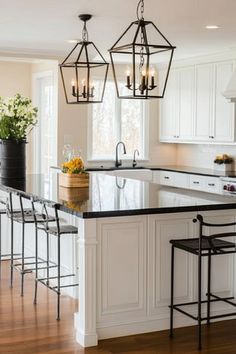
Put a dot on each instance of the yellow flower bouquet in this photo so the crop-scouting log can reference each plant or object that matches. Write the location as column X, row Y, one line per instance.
column 74, row 166
column 74, row 174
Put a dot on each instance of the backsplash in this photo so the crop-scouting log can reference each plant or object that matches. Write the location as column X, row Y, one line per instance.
column 203, row 155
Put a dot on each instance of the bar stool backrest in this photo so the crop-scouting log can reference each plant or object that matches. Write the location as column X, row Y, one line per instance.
column 45, row 214
column 210, row 238
column 11, row 209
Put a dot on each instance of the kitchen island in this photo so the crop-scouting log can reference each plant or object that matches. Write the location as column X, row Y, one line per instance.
column 123, row 250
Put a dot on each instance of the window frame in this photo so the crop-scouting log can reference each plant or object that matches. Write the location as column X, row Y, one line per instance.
column 145, row 128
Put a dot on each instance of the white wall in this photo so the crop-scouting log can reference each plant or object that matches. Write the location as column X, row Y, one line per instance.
column 15, row 77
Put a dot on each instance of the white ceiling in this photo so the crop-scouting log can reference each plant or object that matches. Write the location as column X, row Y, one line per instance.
column 44, row 26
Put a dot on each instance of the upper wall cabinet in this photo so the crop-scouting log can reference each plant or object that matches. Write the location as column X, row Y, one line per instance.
column 223, row 128
column 204, row 102
column 176, row 110
column 194, row 109
column 170, row 110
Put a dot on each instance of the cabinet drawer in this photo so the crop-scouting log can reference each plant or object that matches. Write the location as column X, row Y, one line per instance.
column 212, row 185
column 167, row 178
column 197, row 182
column 181, row 180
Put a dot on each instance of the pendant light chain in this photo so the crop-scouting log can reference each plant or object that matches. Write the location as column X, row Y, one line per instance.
column 85, row 33
column 140, row 10
column 140, row 16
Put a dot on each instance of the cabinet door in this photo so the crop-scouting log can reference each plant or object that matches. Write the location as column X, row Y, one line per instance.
column 203, row 111
column 223, row 123
column 169, row 108
column 185, row 128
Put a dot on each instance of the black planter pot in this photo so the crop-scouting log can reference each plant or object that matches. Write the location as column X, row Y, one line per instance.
column 13, row 159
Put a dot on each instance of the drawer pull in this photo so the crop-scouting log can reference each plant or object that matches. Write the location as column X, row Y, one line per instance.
column 167, row 177
column 195, row 182
column 211, row 184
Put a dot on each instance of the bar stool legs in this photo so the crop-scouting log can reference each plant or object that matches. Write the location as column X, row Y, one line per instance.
column 209, row 288
column 12, row 253
column 23, row 259
column 47, row 235
column 172, row 291
column 0, row 246
column 199, row 301
column 58, row 276
column 36, row 267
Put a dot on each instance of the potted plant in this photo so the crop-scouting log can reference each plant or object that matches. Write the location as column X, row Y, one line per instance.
column 223, row 163
column 17, row 119
column 73, row 174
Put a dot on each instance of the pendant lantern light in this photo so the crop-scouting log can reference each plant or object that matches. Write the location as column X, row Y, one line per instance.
column 142, row 47
column 80, row 70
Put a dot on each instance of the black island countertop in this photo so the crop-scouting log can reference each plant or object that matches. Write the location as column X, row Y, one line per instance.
column 109, row 196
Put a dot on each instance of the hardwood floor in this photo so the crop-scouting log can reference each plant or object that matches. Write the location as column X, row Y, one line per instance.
column 29, row 329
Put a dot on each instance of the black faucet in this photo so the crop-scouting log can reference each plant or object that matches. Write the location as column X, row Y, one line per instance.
column 118, row 162
column 134, row 159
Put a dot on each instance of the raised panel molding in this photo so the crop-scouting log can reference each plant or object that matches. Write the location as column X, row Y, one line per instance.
column 161, row 232
column 122, row 267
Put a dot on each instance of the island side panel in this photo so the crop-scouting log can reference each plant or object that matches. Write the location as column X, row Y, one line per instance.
column 133, row 272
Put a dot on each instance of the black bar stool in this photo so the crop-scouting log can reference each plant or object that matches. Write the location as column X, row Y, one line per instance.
column 23, row 216
column 203, row 246
column 57, row 231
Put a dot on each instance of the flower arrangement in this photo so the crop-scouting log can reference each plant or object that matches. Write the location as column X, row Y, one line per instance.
column 73, row 174
column 223, row 159
column 17, row 117
column 74, row 166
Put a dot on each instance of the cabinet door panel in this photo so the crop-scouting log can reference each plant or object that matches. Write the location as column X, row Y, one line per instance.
column 204, row 88
column 186, row 77
column 169, row 108
column 224, row 111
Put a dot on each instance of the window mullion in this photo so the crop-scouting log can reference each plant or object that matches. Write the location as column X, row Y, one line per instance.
column 118, row 120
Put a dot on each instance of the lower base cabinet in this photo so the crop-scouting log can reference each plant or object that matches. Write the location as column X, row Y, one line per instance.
column 134, row 263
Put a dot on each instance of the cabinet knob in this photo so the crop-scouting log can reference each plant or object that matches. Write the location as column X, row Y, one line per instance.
column 166, row 177
column 211, row 184
column 195, row 182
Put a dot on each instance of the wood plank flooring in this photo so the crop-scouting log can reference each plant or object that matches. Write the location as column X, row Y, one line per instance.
column 29, row 329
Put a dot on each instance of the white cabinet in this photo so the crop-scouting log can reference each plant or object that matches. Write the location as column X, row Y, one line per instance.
column 209, row 184
column 203, row 99
column 194, row 109
column 176, row 110
column 186, row 96
column 169, row 108
column 224, row 112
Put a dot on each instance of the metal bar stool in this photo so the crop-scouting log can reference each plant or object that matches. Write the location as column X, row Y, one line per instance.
column 203, row 246
column 53, row 282
column 3, row 211
column 23, row 216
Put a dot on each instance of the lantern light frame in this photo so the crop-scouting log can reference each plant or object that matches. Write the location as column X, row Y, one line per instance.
column 146, row 48
column 83, row 47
